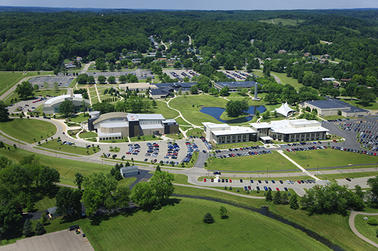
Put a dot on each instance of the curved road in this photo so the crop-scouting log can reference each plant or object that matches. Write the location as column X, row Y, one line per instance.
column 354, row 229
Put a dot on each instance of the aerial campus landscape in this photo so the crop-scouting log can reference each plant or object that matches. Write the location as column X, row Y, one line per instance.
column 144, row 129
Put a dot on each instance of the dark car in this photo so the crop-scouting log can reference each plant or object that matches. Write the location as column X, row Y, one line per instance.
column 251, row 181
column 273, row 181
column 258, row 188
column 348, row 179
column 281, row 181
column 259, row 181
column 241, row 180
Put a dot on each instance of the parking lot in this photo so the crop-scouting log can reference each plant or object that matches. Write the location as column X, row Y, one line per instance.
column 236, row 75
column 49, row 81
column 26, row 105
column 171, row 153
column 181, row 74
column 140, row 74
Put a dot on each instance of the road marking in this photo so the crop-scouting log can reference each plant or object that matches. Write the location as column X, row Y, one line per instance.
column 297, row 165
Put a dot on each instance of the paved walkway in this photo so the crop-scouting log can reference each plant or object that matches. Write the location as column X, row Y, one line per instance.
column 98, row 95
column 297, row 165
column 222, row 191
column 62, row 240
column 179, row 112
column 354, row 229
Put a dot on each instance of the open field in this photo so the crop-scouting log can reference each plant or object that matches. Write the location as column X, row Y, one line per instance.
column 164, row 110
column 288, row 80
column 190, row 107
column 84, row 135
column 365, row 229
column 283, row 21
column 58, row 146
column 82, row 117
column 333, row 227
column 265, row 162
column 330, row 158
column 28, row 130
column 180, row 225
column 66, row 168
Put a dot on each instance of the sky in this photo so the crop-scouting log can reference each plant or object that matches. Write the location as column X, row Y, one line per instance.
column 198, row 4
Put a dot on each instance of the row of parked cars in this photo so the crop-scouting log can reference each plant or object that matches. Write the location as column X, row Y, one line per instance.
column 354, row 150
column 173, row 150
column 191, row 147
column 134, row 149
column 289, row 182
column 365, row 130
column 249, row 153
column 307, row 148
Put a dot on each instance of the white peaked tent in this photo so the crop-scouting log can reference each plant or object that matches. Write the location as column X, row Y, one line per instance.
column 284, row 110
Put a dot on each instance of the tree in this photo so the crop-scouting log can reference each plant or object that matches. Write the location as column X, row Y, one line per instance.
column 277, row 198
column 359, row 192
column 143, row 195
column 223, row 212
column 67, row 107
column 4, row 114
column 68, row 203
column 82, row 79
column 91, row 80
column 208, row 218
column 79, row 178
column 373, row 194
column 224, row 91
column 39, row 229
column 111, row 80
column 28, row 228
column 284, row 199
column 25, row 90
column 268, row 196
column 194, row 89
column 294, row 202
column 236, row 108
column 101, row 79
column 122, row 79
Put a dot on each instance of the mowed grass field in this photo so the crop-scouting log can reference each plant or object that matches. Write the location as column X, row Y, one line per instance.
column 190, row 107
column 180, row 226
column 330, row 158
column 332, row 227
column 58, row 146
column 162, row 108
column 265, row 162
column 288, row 80
column 365, row 229
column 28, row 130
column 67, row 168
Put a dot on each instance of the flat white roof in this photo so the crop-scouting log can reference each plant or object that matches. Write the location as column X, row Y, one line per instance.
column 62, row 98
column 136, row 117
column 224, row 129
column 295, row 126
column 261, row 125
column 116, row 124
column 266, row 138
column 151, row 126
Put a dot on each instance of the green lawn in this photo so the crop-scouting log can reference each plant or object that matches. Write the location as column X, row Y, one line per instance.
column 365, row 229
column 190, row 107
column 174, row 136
column 330, row 158
column 265, row 162
column 288, row 80
column 163, row 109
column 8, row 79
column 346, row 175
column 80, row 118
column 333, row 227
column 127, row 181
column 180, row 178
column 371, row 106
column 182, row 122
column 52, row 93
column 335, row 117
column 45, row 203
column 66, row 168
column 28, row 130
column 58, row 146
column 144, row 138
column 197, row 132
column 84, row 135
column 181, row 225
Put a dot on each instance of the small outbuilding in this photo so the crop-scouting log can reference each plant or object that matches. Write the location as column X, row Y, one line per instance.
column 285, row 110
column 129, row 171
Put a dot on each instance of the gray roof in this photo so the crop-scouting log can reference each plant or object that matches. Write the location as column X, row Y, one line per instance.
column 110, row 115
column 238, row 84
column 334, row 104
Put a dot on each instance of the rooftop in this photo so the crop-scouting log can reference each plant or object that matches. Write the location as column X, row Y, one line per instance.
column 239, row 84
column 224, row 129
column 334, row 104
column 294, row 126
column 62, row 98
column 137, row 117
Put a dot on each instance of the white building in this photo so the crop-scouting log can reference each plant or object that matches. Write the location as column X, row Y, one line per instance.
column 285, row 110
column 291, row 130
column 223, row 133
column 52, row 105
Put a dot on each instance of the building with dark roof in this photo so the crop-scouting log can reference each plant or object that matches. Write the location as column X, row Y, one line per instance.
column 235, row 86
column 331, row 107
column 164, row 89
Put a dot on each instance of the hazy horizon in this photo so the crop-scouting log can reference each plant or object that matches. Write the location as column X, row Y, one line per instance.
column 195, row 4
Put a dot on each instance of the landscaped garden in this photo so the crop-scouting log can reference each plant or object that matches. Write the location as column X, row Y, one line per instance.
column 369, row 227
column 28, row 130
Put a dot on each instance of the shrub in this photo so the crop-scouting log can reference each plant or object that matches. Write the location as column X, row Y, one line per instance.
column 372, row 221
column 223, row 213
column 208, row 218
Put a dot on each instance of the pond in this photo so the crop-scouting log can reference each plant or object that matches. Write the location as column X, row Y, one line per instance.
column 216, row 113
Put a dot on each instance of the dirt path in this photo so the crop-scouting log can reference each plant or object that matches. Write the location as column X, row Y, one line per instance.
column 352, row 217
